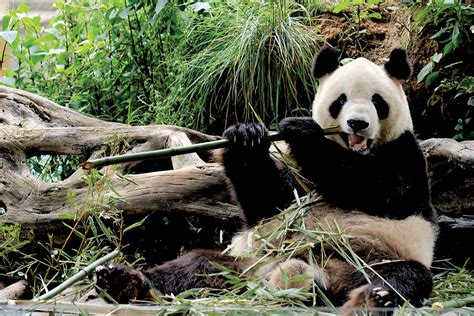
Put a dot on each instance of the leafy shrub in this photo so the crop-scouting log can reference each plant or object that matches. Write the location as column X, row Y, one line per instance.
column 105, row 58
column 448, row 76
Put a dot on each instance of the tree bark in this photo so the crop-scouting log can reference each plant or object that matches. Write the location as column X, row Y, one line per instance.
column 14, row 291
column 189, row 185
column 32, row 125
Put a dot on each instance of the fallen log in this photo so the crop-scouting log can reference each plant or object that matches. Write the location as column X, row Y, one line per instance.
column 14, row 291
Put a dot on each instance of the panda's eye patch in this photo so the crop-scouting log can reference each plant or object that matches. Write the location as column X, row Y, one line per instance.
column 380, row 105
column 336, row 107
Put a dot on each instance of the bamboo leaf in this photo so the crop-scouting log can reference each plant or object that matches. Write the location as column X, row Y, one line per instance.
column 9, row 36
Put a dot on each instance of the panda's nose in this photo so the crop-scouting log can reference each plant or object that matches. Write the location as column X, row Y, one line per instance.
column 357, row 125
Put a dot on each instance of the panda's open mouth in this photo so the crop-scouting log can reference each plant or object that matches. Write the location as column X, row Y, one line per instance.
column 356, row 142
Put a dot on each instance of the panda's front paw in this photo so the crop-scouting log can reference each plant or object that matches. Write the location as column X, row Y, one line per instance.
column 121, row 283
column 247, row 135
column 299, row 128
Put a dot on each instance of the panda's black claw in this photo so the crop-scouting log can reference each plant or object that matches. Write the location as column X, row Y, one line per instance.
column 249, row 135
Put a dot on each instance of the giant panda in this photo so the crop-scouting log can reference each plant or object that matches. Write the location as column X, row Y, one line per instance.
column 372, row 184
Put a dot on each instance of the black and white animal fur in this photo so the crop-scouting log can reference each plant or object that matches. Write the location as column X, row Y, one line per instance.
column 373, row 180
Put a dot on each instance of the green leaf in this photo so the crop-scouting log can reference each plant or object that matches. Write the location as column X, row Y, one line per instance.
column 160, row 5
column 23, row 8
column 467, row 84
column 54, row 31
column 67, row 216
column 6, row 22
column 431, row 77
column 9, row 36
column 300, row 277
column 340, row 7
column 125, row 12
column 448, row 48
column 439, row 33
column 437, row 57
column 134, row 225
column 375, row 15
column 455, row 36
column 37, row 57
column 7, row 81
column 424, row 72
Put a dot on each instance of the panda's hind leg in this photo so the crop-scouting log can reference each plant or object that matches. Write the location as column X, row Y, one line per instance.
column 391, row 284
column 191, row 270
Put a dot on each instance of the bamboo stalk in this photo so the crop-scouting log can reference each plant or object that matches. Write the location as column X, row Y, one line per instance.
column 456, row 303
column 78, row 276
column 170, row 152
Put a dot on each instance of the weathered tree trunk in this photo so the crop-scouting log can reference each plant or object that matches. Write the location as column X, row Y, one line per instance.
column 32, row 125
column 451, row 170
column 188, row 184
column 14, row 291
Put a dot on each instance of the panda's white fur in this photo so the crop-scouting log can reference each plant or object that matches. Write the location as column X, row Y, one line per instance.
column 359, row 80
column 413, row 238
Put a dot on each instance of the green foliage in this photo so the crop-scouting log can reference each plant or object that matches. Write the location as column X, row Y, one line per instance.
column 452, row 283
column 53, row 168
column 246, row 57
column 448, row 76
column 104, row 58
column 92, row 229
column 359, row 9
column 143, row 62
column 356, row 12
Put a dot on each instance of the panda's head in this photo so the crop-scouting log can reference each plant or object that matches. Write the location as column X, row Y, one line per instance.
column 366, row 100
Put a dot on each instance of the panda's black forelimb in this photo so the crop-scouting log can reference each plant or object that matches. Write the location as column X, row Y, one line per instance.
column 262, row 185
column 390, row 182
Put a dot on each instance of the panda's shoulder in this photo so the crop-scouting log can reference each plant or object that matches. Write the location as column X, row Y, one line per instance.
column 406, row 145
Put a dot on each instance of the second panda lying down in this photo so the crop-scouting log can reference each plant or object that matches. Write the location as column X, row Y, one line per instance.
column 372, row 177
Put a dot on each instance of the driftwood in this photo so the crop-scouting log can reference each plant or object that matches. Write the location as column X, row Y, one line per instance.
column 451, row 170
column 32, row 125
column 188, row 184
column 14, row 291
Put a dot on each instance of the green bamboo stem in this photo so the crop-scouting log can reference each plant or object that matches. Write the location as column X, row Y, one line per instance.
column 456, row 303
column 170, row 152
column 78, row 276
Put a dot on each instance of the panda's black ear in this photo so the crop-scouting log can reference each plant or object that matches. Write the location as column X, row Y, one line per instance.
column 398, row 65
column 325, row 62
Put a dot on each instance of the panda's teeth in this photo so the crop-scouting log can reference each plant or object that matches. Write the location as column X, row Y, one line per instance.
column 357, row 142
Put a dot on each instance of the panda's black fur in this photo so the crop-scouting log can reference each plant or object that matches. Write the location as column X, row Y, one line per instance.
column 381, row 197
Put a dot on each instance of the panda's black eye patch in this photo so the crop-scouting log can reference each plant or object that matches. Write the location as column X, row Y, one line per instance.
column 380, row 105
column 336, row 107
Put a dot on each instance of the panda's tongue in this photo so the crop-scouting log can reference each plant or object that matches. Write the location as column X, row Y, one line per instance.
column 357, row 142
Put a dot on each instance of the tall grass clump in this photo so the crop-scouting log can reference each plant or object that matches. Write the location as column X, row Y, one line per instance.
column 246, row 57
